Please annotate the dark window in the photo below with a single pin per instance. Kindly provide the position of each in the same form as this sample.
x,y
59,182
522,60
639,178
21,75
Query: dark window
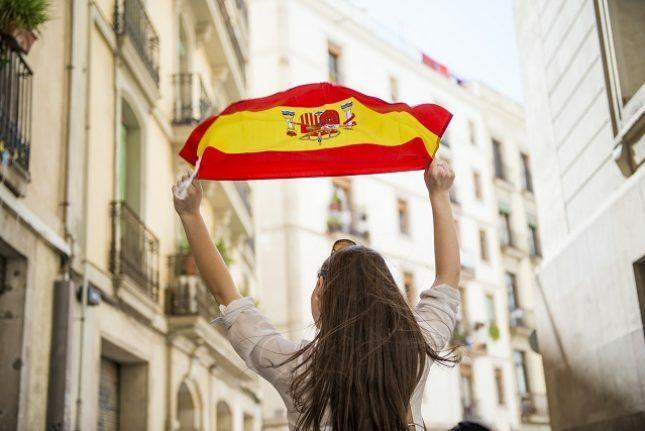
x,y
519,364
505,232
527,182
3,274
477,184
534,241
499,385
511,291
466,389
498,160
404,216
639,274
333,63
483,245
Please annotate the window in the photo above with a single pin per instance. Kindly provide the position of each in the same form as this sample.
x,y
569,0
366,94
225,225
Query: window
x,y
130,159
499,385
622,37
408,285
527,182
490,309
248,422
511,291
333,63
109,388
404,216
394,89
224,420
498,160
477,183
639,275
534,241
519,364
483,246
122,384
505,232
340,208
466,391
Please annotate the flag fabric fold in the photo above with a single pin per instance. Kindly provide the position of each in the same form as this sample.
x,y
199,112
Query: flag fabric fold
x,y
315,130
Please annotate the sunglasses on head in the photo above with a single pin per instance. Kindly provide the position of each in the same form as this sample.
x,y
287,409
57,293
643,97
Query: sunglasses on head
x,y
341,244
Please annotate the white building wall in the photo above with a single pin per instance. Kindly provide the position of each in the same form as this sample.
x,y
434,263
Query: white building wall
x,y
288,47
588,313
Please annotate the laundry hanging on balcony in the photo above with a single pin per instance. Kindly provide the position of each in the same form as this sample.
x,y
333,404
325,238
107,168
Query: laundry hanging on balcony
x,y
315,130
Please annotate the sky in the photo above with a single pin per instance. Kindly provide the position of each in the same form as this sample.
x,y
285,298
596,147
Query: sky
x,y
474,38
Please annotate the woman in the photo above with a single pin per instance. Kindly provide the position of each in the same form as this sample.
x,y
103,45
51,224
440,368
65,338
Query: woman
x,y
369,361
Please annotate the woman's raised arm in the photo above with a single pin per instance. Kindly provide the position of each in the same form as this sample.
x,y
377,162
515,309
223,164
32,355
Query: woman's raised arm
x,y
211,266
439,178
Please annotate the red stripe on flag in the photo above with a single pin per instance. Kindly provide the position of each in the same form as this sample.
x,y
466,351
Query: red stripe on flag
x,y
354,159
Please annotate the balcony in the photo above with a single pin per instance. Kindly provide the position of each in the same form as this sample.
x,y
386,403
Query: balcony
x,y
470,337
534,408
132,22
508,240
15,108
187,294
192,103
521,321
134,250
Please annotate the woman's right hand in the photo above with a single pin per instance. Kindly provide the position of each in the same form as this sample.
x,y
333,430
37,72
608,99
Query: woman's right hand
x,y
190,204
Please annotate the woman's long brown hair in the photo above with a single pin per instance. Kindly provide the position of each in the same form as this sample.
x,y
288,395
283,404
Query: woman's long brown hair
x,y
361,369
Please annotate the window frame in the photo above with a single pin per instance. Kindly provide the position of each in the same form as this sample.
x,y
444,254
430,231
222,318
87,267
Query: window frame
x,y
334,52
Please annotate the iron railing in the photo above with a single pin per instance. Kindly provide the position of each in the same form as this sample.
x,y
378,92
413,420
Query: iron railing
x,y
134,250
187,294
520,318
534,408
244,191
192,103
232,34
15,107
130,18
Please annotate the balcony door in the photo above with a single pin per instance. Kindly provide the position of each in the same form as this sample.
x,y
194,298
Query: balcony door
x,y
130,159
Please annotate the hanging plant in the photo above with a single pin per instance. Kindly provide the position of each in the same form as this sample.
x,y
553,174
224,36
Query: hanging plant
x,y
493,331
20,20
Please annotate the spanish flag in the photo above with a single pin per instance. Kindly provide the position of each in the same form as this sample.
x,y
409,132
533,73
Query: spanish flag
x,y
315,130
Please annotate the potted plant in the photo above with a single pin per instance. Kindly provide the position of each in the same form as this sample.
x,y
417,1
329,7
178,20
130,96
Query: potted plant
x,y
334,224
335,202
493,331
186,259
20,20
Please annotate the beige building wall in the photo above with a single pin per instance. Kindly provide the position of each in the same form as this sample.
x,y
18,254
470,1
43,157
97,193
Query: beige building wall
x,y
140,350
583,69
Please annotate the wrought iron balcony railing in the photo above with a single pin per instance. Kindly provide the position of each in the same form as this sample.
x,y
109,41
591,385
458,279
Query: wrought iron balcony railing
x,y
131,19
521,319
187,294
192,103
534,408
134,250
15,107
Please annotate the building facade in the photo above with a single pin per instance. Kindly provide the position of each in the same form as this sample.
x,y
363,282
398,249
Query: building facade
x,y
500,379
105,323
584,71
